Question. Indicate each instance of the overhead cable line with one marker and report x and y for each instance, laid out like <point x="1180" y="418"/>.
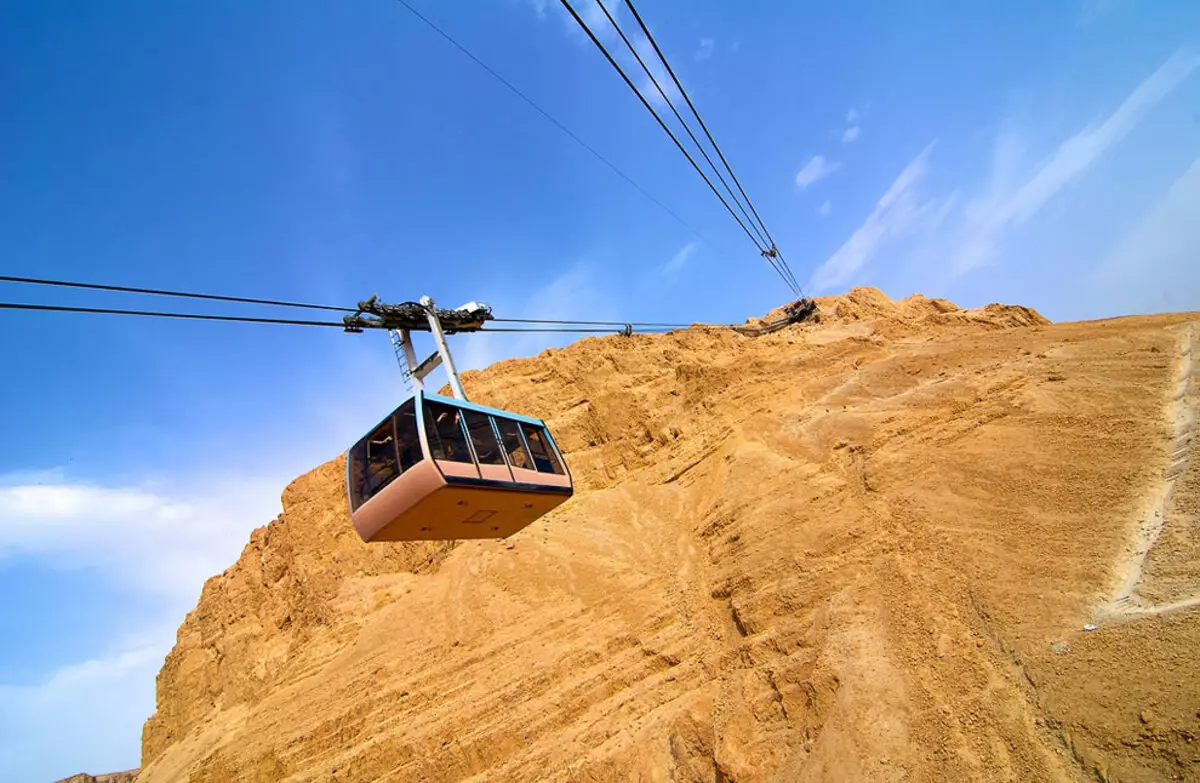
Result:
<point x="373" y="313"/>
<point x="539" y="330"/>
<point x="663" y="125"/>
<point x="692" y="106"/>
<point x="587" y="323"/>
<point x="654" y="80"/>
<point x="766" y="246"/>
<point x="151" y="314"/>
<point x="276" y="302"/>
<point x="794" y="313"/>
<point x="551" y="118"/>
<point x="296" y="322"/>
<point x="160" y="292"/>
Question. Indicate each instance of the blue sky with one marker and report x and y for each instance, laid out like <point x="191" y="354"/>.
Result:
<point x="1040" y="153"/>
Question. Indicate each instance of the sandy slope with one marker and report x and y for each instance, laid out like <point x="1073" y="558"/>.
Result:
<point x="863" y="549"/>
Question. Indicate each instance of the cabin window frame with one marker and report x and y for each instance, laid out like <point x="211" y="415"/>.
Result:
<point x="557" y="453"/>
<point x="417" y="442"/>
<point x="556" y="465"/>
<point x="490" y="419"/>
<point x="504" y="447"/>
<point x="364" y="492"/>
<point x="431" y="424"/>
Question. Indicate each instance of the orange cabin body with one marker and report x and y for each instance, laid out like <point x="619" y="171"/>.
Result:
<point x="445" y="469"/>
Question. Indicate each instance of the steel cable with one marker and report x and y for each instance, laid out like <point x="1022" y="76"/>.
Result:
<point x="654" y="80"/>
<point x="161" y="292"/>
<point x="671" y="71"/>
<point x="550" y="117"/>
<point x="663" y="125"/>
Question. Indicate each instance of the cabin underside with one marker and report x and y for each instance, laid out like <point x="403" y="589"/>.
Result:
<point x="455" y="512"/>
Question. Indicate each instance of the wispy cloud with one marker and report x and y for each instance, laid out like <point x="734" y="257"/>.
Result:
<point x="597" y="21"/>
<point x="665" y="89"/>
<point x="576" y="290"/>
<point x="1092" y="11"/>
<point x="593" y="14"/>
<point x="970" y="231"/>
<point x="1161" y="246"/>
<point x="852" y="126"/>
<point x="678" y="261"/>
<point x="82" y="716"/>
<point x="539" y="7"/>
<point x="816" y="169"/>
<point x="157" y="544"/>
<point x="1009" y="199"/>
<point x="705" y="50"/>
<point x="155" y="540"/>
<point x="826" y="209"/>
<point x="896" y="214"/>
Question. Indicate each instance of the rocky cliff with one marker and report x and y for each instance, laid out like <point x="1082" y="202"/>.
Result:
<point x="128" y="776"/>
<point x="865" y="548"/>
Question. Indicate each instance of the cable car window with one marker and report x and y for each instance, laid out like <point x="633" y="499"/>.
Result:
<point x="408" y="442"/>
<point x="483" y="438"/>
<point x="543" y="454"/>
<point x="443" y="428"/>
<point x="358" y="473"/>
<point x="514" y="445"/>
<point x="380" y="459"/>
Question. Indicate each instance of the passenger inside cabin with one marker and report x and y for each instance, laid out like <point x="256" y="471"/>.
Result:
<point x="408" y="443"/>
<point x="510" y="436"/>
<point x="518" y="458"/>
<point x="442" y="450"/>
<point x="381" y="460"/>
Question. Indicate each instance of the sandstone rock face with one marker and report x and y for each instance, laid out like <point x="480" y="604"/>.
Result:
<point x="863" y="548"/>
<point x="128" y="776"/>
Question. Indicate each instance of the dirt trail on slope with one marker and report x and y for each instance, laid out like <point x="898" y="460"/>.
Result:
<point x="1162" y="574"/>
<point x="859" y="549"/>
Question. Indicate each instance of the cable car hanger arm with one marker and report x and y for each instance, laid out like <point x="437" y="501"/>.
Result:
<point x="415" y="316"/>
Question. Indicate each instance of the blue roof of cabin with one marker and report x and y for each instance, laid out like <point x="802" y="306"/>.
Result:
<point x="483" y="409"/>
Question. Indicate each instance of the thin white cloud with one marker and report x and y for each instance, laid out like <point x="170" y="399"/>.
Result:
<point x="816" y="169"/>
<point x="826" y="209"/>
<point x="1092" y="11"/>
<point x="595" y="18"/>
<point x="152" y="541"/>
<point x="678" y="261"/>
<point x="84" y="716"/>
<point x="1153" y="267"/>
<point x="575" y="291"/>
<point x="1081" y="151"/>
<point x="897" y="213"/>
<point x="1010" y="196"/>
<point x="157" y="540"/>
<point x="853" y="127"/>
<point x="706" y="49"/>
<point x="736" y="46"/>
<point x="593" y="14"/>
<point x="665" y="85"/>
<point x="1010" y="200"/>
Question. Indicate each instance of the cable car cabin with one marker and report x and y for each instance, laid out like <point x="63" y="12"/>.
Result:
<point x="443" y="469"/>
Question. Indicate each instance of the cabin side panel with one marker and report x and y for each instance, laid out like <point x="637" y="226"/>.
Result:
<point x="465" y="512"/>
<point x="396" y="499"/>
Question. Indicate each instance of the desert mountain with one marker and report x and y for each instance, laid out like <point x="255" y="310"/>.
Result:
<point x="904" y="542"/>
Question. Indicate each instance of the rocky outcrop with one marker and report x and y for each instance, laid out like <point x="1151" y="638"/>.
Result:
<point x="128" y="776"/>
<point x="861" y="548"/>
